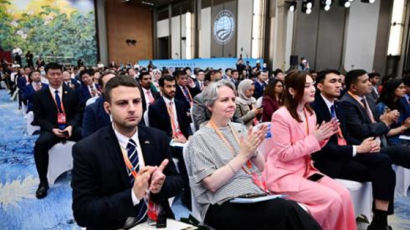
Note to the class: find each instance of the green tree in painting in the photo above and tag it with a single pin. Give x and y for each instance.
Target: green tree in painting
(51, 33)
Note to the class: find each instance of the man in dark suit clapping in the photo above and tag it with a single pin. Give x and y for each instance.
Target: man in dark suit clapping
(119, 169)
(57, 111)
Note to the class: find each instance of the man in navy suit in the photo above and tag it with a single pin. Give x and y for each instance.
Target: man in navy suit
(34, 86)
(70, 82)
(120, 167)
(362, 121)
(167, 107)
(172, 116)
(88, 88)
(95, 116)
(58, 113)
(260, 84)
(362, 162)
(149, 92)
(186, 89)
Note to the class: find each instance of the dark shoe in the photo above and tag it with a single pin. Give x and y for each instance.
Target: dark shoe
(377, 227)
(42, 190)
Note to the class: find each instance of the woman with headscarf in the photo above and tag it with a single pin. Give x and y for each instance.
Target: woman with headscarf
(246, 109)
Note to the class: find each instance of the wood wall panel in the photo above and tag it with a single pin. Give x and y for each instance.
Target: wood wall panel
(128, 21)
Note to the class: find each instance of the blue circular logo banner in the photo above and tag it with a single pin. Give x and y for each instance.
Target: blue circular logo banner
(224, 27)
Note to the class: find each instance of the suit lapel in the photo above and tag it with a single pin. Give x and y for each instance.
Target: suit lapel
(114, 152)
(361, 108)
(323, 109)
(146, 146)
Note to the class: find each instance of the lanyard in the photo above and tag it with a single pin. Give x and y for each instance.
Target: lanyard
(153, 208)
(255, 177)
(128, 163)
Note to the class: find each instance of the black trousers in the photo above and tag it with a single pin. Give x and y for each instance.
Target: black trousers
(274, 214)
(399, 154)
(45, 141)
(375, 168)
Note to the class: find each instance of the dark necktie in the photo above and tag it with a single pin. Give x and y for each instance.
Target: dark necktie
(58, 101)
(332, 111)
(133, 157)
(188, 99)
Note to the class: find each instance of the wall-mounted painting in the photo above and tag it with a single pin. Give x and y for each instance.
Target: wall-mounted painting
(58, 30)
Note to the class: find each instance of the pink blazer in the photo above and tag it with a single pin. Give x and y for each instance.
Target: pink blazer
(285, 162)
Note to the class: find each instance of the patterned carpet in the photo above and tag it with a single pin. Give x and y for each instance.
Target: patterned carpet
(19, 209)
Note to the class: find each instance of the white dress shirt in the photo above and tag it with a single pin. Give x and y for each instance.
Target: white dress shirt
(123, 141)
(330, 104)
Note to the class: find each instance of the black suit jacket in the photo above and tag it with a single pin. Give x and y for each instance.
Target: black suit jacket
(154, 94)
(159, 118)
(180, 95)
(45, 109)
(95, 117)
(101, 188)
(358, 124)
(332, 157)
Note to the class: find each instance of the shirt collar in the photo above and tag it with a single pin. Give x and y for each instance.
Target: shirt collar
(123, 140)
(328, 103)
(60, 90)
(168, 100)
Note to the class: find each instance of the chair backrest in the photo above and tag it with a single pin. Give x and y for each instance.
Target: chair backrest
(194, 204)
(146, 119)
(192, 124)
(259, 102)
(266, 145)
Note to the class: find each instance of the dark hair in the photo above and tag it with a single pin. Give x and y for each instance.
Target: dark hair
(178, 73)
(143, 73)
(295, 80)
(187, 68)
(165, 78)
(387, 93)
(277, 71)
(227, 69)
(373, 75)
(53, 65)
(118, 81)
(104, 74)
(234, 71)
(321, 76)
(31, 73)
(209, 73)
(406, 81)
(270, 90)
(86, 71)
(352, 76)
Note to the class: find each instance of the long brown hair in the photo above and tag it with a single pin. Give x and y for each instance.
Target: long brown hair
(295, 80)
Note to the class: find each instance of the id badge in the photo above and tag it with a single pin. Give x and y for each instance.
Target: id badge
(61, 119)
(341, 141)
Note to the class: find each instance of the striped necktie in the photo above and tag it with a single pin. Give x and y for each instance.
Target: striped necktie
(133, 157)
(141, 207)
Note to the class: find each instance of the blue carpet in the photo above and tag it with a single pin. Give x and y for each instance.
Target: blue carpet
(19, 209)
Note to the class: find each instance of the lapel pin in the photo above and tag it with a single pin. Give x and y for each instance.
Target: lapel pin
(65, 92)
(146, 142)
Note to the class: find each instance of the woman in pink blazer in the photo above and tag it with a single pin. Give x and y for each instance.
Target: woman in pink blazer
(289, 169)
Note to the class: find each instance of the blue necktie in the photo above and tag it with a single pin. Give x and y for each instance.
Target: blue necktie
(58, 101)
(133, 157)
(332, 111)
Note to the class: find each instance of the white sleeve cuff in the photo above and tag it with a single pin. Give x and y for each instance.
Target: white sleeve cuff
(354, 150)
(134, 198)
